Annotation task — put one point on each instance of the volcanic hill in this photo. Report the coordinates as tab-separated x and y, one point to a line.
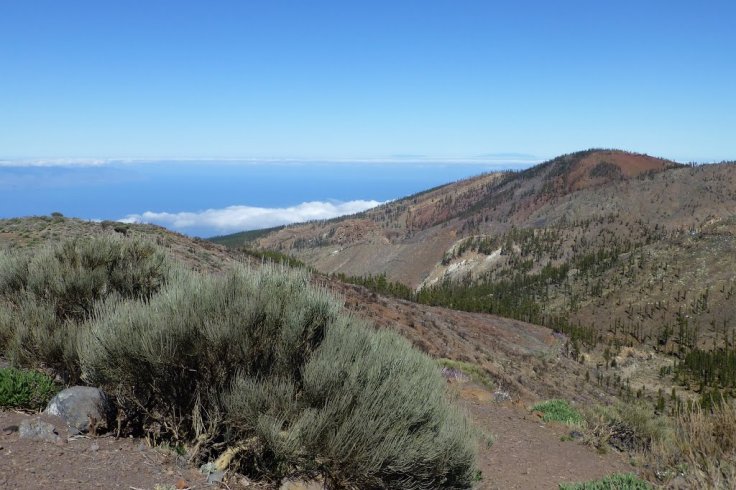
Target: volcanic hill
625	245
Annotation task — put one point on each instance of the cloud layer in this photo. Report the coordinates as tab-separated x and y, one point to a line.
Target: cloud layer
240	218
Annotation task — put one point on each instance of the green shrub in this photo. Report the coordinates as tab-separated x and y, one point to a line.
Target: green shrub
260	366
46	295
612	482
75	274
558	411
25	389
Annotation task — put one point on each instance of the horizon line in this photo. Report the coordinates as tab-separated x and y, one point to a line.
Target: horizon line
413	159
491	159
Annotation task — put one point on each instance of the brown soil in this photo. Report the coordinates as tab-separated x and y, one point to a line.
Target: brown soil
528	453
86	462
627	164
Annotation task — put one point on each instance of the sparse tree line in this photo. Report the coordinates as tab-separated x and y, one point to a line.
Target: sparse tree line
533	275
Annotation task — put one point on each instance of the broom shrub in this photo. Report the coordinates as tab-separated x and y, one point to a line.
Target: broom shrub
45	295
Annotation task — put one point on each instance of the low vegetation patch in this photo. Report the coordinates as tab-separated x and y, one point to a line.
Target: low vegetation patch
696	446
612	482
627	426
23	389
558	411
254	368
473	371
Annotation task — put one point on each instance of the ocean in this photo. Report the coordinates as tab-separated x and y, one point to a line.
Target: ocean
156	191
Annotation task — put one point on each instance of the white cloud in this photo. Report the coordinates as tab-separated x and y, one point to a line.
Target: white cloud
239	218
55	162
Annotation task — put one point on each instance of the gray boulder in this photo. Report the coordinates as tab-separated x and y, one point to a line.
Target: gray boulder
38	430
83	408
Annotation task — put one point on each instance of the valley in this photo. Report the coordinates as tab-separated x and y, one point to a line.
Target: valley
611	248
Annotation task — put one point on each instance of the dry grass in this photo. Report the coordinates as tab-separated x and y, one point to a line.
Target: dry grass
702	449
696	448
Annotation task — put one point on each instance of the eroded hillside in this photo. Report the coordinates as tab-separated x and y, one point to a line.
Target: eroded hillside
634	247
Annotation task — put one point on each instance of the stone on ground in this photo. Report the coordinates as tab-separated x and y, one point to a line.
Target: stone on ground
83	408
38	430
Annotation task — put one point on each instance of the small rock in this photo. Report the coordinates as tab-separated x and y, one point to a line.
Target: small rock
501	396
574	434
679	483
301	485
94	447
182	463
38	430
83	408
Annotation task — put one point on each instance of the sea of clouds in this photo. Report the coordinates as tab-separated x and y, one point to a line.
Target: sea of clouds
239	218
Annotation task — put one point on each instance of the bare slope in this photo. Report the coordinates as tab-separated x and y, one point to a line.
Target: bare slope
405	239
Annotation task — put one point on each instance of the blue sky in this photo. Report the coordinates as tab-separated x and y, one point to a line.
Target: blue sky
346	80
434	90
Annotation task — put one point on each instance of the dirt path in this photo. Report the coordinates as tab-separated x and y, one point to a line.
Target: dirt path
86	463
528	453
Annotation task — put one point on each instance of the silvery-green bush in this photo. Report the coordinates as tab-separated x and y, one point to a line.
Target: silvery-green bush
47	294
261	362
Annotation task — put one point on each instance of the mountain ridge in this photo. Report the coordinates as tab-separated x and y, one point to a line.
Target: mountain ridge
465	202
624	244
